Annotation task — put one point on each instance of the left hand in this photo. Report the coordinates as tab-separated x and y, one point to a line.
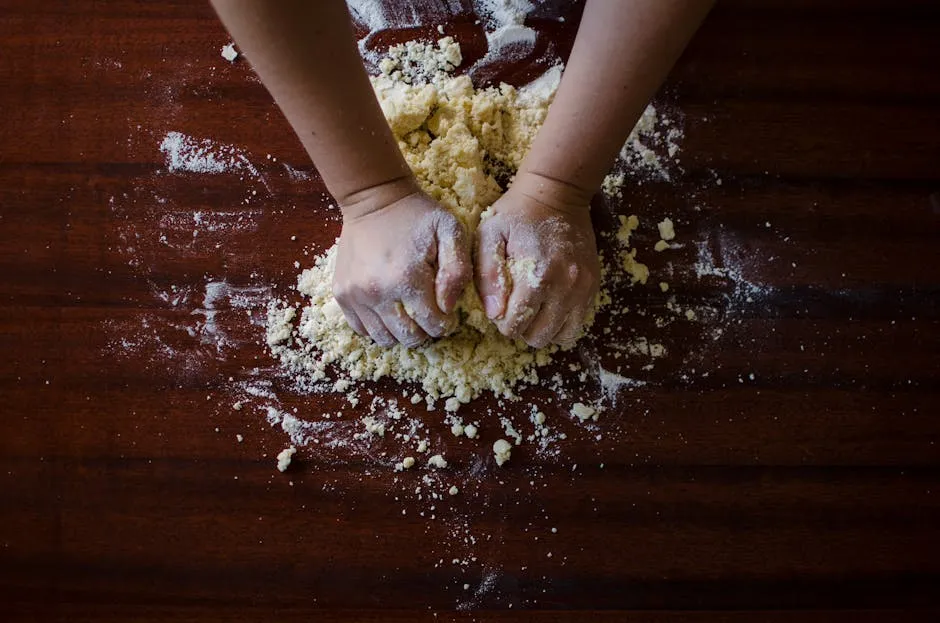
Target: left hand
537	268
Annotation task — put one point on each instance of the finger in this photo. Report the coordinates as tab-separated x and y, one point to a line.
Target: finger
401	325
352	318
572	328
376	328
421	305
523	307
453	264
492	276
547	323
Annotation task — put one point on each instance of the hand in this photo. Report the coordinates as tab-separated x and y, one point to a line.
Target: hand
537	268
400	269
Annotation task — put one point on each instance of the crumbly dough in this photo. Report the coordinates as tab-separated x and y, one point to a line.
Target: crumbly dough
284	458
667	230
437	461
458	141
502	450
583	412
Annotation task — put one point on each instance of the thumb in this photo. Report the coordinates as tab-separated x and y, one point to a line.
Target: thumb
453	263
492	276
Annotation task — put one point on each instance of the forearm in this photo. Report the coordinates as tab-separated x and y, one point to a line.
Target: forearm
305	54
621	55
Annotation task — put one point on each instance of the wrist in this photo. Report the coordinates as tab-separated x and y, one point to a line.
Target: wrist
552	192
365	201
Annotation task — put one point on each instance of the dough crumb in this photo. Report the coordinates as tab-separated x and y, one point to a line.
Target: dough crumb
628	224
437	461
373	426
408	462
583	412
502	450
229	52
284	458
666	229
453	490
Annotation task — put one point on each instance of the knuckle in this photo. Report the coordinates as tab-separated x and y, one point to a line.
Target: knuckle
574	273
372	290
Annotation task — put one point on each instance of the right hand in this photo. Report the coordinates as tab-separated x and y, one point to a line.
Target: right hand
400	269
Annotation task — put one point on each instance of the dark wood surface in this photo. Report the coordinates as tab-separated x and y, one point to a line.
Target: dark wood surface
810	491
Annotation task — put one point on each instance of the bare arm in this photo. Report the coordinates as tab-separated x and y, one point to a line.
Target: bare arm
402	259
622	53
305	54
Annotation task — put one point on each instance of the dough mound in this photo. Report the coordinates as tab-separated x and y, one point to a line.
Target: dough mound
458	141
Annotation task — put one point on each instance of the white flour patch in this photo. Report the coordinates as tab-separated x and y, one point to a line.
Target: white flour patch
296	174
612	383
186	154
507	37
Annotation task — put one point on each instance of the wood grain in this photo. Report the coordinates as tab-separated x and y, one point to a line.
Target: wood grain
810	491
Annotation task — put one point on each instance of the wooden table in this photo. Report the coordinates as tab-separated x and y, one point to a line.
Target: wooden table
782	468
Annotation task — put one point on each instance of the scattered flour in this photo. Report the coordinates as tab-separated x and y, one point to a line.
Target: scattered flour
456	130
507	36
185	153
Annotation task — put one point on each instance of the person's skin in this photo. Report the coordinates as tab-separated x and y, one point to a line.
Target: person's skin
398	249
401	251
622	53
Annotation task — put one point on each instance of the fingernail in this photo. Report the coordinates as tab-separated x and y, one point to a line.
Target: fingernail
491	305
